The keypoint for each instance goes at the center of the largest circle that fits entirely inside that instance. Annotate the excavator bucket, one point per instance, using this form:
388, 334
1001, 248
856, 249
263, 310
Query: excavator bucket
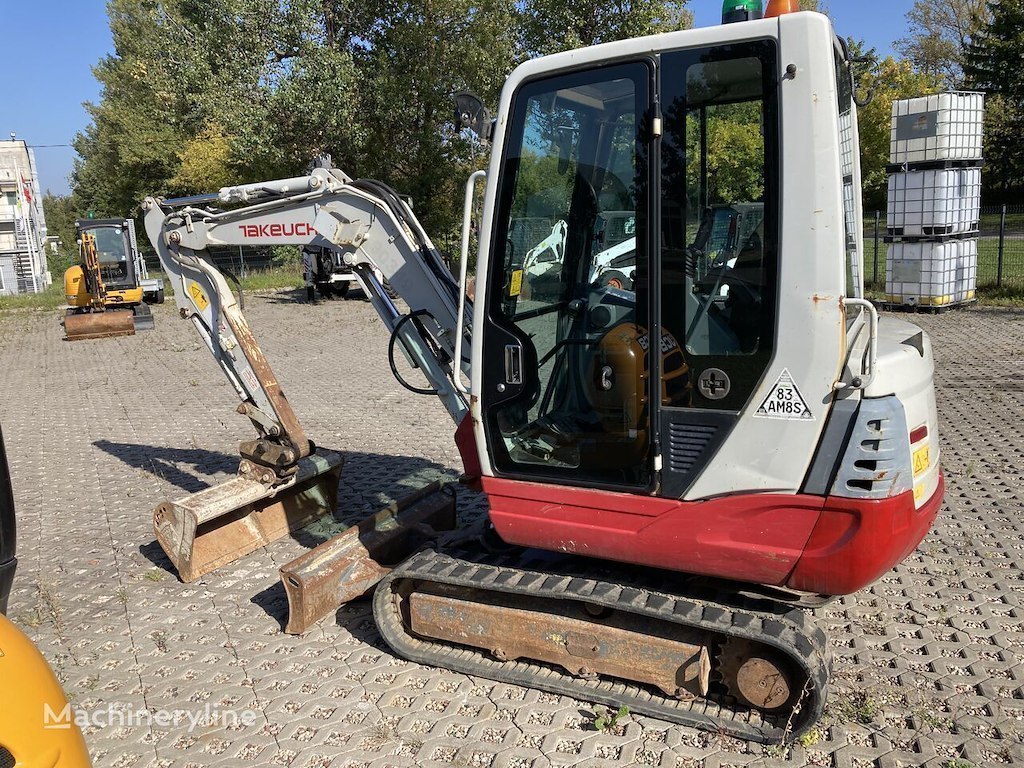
350, 564
98, 325
220, 524
143, 317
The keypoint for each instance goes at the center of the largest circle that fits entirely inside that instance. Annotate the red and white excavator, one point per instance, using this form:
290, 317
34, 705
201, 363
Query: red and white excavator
657, 522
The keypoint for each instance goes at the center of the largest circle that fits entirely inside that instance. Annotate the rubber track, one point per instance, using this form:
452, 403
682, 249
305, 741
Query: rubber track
727, 615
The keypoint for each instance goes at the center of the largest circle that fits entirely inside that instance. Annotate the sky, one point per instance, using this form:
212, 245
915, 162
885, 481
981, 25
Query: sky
53, 44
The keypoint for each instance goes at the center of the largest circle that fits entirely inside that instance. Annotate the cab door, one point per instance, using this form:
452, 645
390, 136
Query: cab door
752, 260
565, 389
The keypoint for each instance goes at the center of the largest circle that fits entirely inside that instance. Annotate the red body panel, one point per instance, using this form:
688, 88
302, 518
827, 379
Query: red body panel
816, 544
465, 441
857, 541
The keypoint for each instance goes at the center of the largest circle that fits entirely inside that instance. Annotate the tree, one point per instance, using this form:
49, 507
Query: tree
60, 221
197, 95
940, 35
550, 26
993, 66
411, 57
202, 93
192, 96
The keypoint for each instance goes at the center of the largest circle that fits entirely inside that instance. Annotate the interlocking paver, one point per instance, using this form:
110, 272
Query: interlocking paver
929, 662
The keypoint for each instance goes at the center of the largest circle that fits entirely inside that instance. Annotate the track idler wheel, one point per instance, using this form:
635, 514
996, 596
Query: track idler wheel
758, 676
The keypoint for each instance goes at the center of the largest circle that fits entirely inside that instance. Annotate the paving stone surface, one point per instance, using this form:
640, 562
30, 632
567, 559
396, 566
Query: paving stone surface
928, 662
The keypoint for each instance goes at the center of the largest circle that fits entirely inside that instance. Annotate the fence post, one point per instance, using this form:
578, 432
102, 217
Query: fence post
1002, 245
874, 278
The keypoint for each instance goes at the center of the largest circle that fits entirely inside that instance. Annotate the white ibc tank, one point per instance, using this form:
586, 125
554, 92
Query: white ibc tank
946, 126
967, 272
922, 273
930, 203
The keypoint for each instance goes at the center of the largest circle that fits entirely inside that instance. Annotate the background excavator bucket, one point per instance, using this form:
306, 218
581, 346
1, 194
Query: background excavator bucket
143, 317
98, 325
222, 523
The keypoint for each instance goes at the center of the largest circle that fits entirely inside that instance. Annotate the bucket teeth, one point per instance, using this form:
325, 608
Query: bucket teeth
225, 522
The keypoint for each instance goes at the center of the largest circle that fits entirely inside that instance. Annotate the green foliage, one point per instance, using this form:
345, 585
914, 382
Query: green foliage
940, 35
809, 738
204, 163
200, 95
609, 720
858, 707
284, 277
550, 26
735, 153
993, 65
540, 189
60, 222
51, 298
412, 55
286, 255
888, 81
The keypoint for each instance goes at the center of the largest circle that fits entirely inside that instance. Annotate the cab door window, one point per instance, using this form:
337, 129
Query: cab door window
719, 217
565, 382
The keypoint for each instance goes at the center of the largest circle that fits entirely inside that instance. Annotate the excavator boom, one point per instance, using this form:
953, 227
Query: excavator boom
284, 481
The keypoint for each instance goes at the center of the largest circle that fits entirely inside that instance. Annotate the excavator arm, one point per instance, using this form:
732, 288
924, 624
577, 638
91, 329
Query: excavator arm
284, 480
363, 221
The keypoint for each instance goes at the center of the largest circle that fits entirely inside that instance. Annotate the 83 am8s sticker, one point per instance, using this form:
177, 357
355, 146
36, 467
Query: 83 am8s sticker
784, 401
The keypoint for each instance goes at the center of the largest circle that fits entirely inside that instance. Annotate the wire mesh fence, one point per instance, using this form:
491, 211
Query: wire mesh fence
239, 261
1000, 248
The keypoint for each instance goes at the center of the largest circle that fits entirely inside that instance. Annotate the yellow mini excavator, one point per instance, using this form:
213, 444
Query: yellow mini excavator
106, 289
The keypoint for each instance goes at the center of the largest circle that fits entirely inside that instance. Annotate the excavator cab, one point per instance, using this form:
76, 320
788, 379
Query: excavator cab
112, 248
589, 328
116, 264
704, 146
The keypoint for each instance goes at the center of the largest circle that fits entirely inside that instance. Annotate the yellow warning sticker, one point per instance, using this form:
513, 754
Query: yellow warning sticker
198, 297
918, 491
922, 460
515, 286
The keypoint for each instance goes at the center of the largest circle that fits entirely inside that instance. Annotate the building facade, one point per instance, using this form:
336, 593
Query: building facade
23, 266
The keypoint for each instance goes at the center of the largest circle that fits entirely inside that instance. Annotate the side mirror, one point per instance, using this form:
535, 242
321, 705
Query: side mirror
471, 113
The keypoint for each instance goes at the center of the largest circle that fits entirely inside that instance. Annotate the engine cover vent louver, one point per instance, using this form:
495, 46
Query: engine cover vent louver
877, 463
686, 444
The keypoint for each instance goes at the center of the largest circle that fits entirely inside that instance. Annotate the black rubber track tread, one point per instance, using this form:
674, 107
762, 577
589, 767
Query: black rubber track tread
727, 614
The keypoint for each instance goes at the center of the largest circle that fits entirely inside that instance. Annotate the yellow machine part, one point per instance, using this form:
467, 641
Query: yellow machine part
128, 297
112, 315
75, 290
37, 726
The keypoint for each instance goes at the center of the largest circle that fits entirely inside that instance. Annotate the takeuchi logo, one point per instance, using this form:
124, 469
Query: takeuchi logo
299, 229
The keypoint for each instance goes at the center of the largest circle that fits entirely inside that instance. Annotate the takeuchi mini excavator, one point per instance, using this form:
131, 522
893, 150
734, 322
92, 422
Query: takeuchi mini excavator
675, 465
